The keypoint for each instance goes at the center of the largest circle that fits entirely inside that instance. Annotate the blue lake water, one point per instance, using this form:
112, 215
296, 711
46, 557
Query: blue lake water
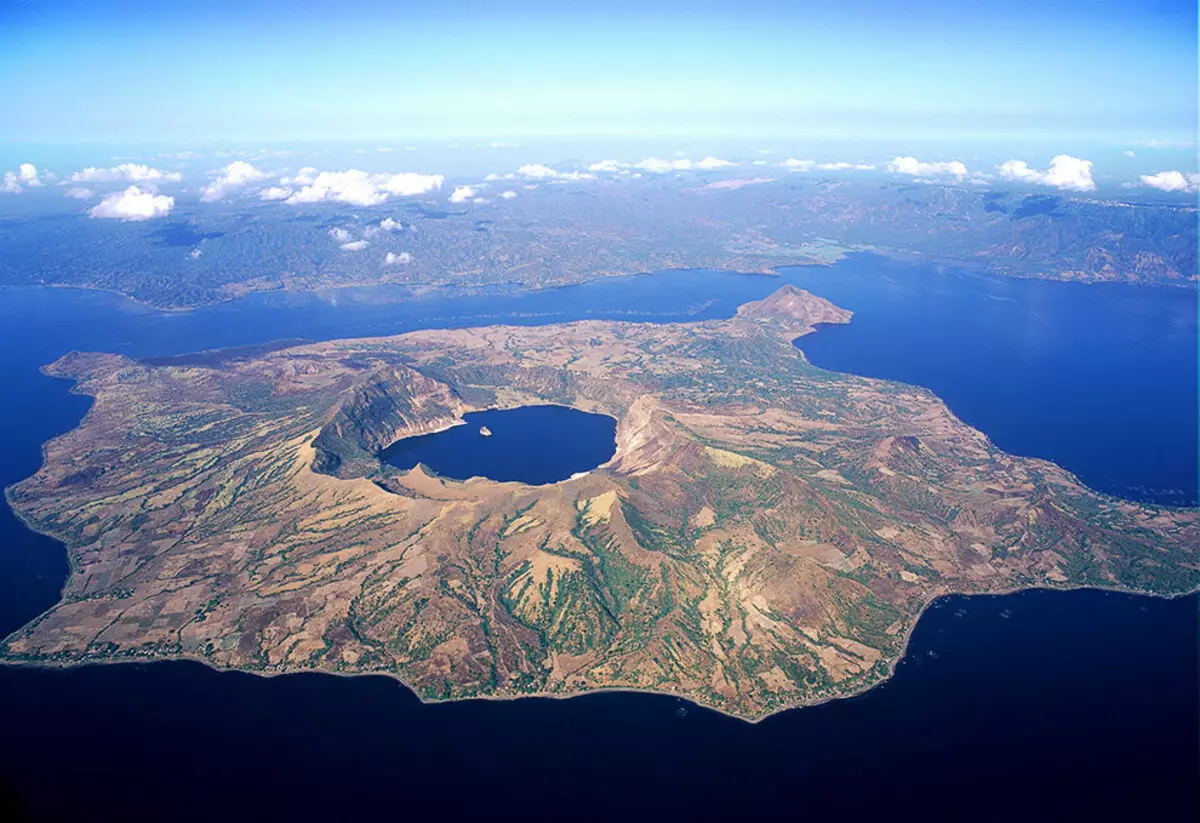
530, 444
1101, 379
1036, 704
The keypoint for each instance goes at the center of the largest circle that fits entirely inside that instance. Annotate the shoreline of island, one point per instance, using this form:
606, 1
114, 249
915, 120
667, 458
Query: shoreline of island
921, 604
753, 720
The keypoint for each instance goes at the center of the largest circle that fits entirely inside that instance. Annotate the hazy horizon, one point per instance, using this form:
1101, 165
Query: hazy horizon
135, 71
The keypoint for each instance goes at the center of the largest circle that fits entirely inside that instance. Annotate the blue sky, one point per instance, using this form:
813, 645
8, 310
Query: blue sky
123, 72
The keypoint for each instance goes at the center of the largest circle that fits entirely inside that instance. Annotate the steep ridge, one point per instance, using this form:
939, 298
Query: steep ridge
392, 402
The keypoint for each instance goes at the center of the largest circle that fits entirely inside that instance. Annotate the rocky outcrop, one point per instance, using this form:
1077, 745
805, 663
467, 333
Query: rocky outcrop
392, 402
791, 312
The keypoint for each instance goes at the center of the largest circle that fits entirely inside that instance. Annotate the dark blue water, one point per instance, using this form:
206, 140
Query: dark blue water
1101, 379
1036, 705
530, 444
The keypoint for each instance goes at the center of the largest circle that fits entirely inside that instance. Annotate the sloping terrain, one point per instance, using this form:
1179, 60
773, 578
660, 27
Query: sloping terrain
571, 234
765, 536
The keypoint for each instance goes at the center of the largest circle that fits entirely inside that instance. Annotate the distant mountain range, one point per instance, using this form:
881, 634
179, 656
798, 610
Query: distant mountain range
560, 234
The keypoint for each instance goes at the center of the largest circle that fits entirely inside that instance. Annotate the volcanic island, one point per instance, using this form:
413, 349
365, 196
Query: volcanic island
765, 536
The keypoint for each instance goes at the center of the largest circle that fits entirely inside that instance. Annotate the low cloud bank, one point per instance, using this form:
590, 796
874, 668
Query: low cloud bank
1173, 181
231, 179
1066, 172
26, 176
357, 188
917, 168
133, 204
127, 173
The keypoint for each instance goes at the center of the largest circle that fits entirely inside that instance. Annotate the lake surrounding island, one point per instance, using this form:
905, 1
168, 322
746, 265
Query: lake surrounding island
1100, 379
529, 444
1031, 705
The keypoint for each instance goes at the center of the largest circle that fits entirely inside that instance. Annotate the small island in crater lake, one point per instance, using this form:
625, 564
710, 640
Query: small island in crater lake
765, 535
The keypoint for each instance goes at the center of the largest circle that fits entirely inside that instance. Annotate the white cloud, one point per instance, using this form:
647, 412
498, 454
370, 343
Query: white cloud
341, 235
918, 168
232, 177
798, 165
462, 194
29, 175
508, 195
304, 177
133, 204
388, 224
759, 163
1129, 153
608, 165
358, 188
408, 184
1173, 181
25, 175
194, 254
275, 193
126, 172
537, 171
354, 245
80, 194
393, 259
1065, 172
842, 165
658, 166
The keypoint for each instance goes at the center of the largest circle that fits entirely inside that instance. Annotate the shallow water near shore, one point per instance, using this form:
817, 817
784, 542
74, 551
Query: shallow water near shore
1033, 703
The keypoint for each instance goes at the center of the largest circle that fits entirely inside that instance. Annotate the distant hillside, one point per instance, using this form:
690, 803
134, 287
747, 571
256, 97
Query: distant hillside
558, 235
